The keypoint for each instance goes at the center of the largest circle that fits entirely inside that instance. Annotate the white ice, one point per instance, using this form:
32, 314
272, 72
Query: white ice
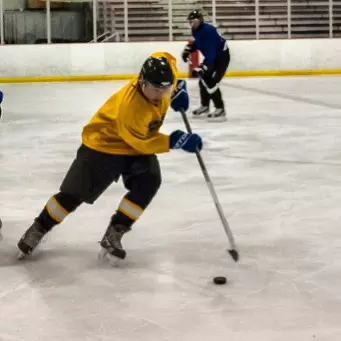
276, 167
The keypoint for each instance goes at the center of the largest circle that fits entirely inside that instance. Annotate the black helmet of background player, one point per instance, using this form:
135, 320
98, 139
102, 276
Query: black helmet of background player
156, 79
195, 18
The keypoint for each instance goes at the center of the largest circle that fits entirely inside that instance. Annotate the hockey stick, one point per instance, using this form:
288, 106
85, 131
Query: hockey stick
233, 251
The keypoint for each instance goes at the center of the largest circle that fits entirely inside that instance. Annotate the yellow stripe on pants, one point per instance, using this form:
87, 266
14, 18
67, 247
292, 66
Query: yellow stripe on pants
56, 210
130, 209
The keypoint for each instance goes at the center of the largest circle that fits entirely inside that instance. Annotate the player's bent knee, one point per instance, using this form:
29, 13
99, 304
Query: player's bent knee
150, 185
157, 181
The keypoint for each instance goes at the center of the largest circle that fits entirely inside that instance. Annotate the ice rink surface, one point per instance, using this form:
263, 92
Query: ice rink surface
276, 166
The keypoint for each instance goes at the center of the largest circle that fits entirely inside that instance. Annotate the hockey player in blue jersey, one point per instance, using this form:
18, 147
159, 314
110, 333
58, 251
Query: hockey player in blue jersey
210, 72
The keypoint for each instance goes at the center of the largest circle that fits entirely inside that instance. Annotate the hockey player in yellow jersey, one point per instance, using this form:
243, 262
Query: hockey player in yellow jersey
134, 121
121, 140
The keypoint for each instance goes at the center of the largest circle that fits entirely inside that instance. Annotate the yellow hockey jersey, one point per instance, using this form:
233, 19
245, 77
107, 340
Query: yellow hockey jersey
128, 124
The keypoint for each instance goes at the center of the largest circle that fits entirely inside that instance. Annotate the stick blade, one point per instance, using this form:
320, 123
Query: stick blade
234, 254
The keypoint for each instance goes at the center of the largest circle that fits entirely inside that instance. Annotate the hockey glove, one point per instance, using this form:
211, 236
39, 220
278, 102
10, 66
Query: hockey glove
188, 142
200, 71
186, 53
180, 98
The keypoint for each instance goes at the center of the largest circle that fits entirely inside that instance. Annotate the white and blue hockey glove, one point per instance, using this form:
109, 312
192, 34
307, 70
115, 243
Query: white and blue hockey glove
188, 142
180, 98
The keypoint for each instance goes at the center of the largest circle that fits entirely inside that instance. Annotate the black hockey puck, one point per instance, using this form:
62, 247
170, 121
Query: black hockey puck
219, 280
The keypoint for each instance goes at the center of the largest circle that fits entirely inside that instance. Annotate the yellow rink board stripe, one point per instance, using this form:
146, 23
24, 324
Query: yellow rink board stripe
89, 78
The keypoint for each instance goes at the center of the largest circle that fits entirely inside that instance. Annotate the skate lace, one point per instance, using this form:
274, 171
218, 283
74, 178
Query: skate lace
33, 237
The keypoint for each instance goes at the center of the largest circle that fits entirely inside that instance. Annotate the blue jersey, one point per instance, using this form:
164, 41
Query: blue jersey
1, 96
209, 42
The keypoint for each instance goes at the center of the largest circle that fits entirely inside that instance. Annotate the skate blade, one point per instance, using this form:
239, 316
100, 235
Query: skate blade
21, 255
199, 117
217, 119
104, 255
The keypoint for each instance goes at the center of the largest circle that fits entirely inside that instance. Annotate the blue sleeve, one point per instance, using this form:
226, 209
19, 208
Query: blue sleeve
209, 40
1, 96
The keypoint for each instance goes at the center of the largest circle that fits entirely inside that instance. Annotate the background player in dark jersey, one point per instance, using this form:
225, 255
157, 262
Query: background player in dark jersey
216, 60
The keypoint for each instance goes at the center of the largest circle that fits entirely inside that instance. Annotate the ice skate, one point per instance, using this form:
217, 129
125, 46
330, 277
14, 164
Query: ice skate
112, 248
30, 240
218, 115
200, 112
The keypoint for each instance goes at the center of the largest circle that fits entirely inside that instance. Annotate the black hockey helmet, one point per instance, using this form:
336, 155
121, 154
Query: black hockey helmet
157, 71
196, 14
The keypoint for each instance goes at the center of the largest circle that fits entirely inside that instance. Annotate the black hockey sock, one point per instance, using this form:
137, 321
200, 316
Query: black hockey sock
217, 99
127, 213
120, 218
56, 210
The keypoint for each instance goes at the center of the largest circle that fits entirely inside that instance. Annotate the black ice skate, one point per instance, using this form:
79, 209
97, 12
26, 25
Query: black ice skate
111, 243
200, 112
218, 115
30, 240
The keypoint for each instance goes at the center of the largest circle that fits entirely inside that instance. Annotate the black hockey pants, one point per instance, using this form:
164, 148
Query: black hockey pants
209, 83
92, 172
